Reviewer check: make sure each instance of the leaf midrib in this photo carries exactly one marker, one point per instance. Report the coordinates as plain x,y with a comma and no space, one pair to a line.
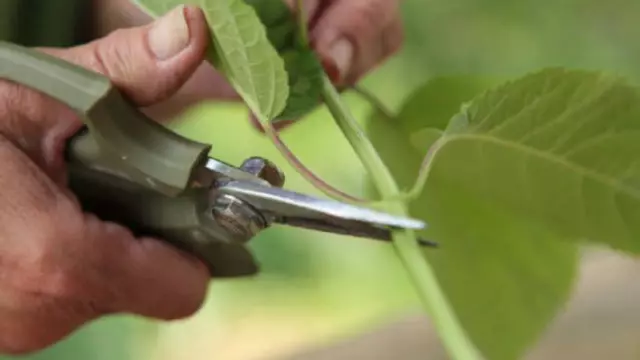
585,172
254,94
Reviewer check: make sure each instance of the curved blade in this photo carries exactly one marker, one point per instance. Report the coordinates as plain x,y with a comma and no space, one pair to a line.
291,207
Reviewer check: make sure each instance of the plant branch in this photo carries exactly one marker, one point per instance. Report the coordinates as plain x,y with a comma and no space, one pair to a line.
303,170
405,241
425,167
374,101
303,31
284,150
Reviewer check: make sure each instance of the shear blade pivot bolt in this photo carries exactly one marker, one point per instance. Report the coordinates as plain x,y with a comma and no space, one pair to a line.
265,170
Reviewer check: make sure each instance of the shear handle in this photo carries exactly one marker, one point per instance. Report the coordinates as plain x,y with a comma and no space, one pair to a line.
118,134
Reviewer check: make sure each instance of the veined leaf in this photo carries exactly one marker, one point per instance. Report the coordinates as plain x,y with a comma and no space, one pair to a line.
505,275
305,83
433,104
241,51
303,67
559,147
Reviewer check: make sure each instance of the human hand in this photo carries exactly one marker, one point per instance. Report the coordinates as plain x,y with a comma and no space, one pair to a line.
351,37
59,267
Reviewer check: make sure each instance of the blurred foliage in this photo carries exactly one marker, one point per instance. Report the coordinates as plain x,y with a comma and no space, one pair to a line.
317,287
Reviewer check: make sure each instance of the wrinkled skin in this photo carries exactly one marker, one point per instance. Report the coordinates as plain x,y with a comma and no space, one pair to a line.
61,268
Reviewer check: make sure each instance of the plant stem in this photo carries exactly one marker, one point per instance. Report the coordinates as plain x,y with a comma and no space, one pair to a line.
374,101
405,242
303,31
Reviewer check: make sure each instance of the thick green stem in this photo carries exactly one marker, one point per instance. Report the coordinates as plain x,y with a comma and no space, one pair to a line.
405,241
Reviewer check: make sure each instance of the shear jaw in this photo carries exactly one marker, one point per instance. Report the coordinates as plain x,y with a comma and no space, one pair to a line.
240,219
249,199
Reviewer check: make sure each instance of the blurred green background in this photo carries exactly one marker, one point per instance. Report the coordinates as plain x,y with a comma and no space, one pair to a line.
317,288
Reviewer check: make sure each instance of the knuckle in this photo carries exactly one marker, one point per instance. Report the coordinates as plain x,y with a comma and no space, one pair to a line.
49,275
14,97
94,59
106,55
63,284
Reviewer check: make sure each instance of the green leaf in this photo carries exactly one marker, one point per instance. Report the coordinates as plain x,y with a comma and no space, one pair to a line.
559,147
433,104
505,275
305,83
241,51
427,111
302,65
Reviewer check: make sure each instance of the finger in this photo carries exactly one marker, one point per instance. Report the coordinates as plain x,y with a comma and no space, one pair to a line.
147,63
206,84
145,276
61,268
151,62
35,307
387,43
357,35
170,284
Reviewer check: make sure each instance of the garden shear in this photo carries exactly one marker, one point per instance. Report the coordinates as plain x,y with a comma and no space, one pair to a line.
128,169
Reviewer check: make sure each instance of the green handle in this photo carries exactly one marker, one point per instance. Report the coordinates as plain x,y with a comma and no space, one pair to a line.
127,168
183,221
143,150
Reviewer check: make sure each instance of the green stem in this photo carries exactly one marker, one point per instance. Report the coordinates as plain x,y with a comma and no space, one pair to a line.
303,30
405,242
374,101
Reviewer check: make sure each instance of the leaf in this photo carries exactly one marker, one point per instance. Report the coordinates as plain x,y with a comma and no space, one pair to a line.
439,99
302,65
505,275
559,147
305,83
241,51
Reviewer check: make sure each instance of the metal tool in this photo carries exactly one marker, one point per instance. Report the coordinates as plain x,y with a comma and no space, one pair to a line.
126,168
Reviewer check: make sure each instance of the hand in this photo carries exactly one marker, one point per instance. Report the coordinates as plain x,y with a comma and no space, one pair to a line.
352,37
59,267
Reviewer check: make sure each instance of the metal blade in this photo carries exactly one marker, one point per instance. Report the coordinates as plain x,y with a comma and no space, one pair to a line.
291,206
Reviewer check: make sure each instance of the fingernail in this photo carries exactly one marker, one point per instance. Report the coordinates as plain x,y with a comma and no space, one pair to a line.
342,54
170,34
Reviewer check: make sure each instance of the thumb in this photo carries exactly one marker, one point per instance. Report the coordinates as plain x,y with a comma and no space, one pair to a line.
151,62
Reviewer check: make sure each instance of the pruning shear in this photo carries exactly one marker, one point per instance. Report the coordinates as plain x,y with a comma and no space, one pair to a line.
126,168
